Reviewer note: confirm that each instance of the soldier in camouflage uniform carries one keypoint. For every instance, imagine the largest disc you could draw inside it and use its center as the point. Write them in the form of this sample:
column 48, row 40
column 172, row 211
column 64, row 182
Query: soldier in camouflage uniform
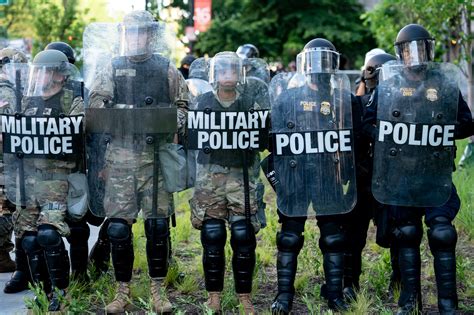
column 40, row 222
column 137, row 79
column 219, row 195
column 19, row 281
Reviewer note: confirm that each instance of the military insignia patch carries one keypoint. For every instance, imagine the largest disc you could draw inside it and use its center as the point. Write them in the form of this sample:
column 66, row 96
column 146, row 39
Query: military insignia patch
column 31, row 111
column 125, row 72
column 407, row 91
column 325, row 108
column 432, row 95
column 307, row 106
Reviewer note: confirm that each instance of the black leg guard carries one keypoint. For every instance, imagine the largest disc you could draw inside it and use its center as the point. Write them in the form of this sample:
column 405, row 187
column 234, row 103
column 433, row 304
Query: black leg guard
column 332, row 242
column 289, row 245
column 442, row 238
column 408, row 239
column 20, row 278
column 36, row 261
column 243, row 244
column 395, row 277
column 79, row 249
column 100, row 253
column 157, row 246
column 213, row 238
column 120, row 235
column 57, row 259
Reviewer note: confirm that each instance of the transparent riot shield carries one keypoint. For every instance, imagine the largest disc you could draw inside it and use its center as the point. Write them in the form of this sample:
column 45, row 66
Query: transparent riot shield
column 414, row 147
column 227, row 127
column 312, row 141
column 134, row 162
column 43, row 141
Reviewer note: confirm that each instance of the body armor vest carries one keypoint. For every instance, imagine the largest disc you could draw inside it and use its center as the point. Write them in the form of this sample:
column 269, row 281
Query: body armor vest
column 141, row 84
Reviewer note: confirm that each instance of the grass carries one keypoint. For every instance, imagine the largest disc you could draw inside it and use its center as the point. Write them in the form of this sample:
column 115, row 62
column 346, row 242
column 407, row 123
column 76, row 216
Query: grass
column 185, row 281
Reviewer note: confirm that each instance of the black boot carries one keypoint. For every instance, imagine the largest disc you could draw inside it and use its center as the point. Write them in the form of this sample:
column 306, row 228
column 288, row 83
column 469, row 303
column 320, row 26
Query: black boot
column 395, row 277
column 100, row 253
column 289, row 245
column 333, row 264
column 410, row 268
column 20, row 278
column 352, row 269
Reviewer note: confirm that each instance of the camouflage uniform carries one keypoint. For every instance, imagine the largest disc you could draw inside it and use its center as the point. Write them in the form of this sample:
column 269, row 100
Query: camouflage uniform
column 136, row 78
column 220, row 195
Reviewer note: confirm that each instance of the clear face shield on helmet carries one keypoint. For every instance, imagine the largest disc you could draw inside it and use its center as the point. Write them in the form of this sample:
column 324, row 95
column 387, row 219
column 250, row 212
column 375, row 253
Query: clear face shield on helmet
column 137, row 39
column 416, row 52
column 13, row 71
column 47, row 80
column 226, row 71
column 317, row 60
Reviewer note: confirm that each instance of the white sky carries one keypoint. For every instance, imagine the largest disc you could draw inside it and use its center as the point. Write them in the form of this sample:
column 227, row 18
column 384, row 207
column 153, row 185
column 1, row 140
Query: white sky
column 119, row 7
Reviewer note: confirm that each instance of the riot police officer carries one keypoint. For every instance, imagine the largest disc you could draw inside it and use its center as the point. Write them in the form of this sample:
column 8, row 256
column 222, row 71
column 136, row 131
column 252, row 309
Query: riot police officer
column 398, row 180
column 8, row 101
column 135, row 97
column 225, row 183
column 248, row 51
column 43, row 168
column 309, row 175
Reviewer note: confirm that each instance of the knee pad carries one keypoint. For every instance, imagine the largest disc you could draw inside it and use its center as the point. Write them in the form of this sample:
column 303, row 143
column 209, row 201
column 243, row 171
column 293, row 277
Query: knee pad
column 213, row 234
column 80, row 233
column 48, row 236
column 287, row 241
column 29, row 243
column 332, row 237
column 242, row 236
column 408, row 235
column 442, row 234
column 157, row 228
column 119, row 231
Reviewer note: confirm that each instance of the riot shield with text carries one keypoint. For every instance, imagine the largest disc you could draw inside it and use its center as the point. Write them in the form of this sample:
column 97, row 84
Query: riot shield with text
column 227, row 127
column 414, row 146
column 134, row 162
column 312, row 137
column 43, row 142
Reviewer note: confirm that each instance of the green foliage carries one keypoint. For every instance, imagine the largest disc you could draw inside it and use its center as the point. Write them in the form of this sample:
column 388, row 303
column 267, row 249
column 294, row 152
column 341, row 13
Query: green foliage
column 280, row 29
column 443, row 19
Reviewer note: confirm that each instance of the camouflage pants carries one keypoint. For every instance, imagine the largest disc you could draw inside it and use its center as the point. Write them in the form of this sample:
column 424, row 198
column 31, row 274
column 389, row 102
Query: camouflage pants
column 129, row 186
column 219, row 194
column 6, row 224
column 50, row 198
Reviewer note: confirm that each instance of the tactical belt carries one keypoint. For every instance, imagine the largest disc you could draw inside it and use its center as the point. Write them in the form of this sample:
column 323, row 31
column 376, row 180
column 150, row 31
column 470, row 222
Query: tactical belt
column 56, row 174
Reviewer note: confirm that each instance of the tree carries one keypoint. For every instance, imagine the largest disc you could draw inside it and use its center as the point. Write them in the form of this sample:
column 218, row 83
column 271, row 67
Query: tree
column 449, row 22
column 280, row 29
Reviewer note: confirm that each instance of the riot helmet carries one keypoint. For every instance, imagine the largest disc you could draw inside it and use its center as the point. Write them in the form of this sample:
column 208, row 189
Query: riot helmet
column 13, row 55
column 318, row 56
column 49, row 72
column 199, row 69
column 414, row 45
column 372, row 69
column 248, row 51
column 226, row 71
column 137, row 33
column 64, row 48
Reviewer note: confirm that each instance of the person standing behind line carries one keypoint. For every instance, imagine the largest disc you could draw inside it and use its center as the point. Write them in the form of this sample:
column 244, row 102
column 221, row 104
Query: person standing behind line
column 43, row 179
column 225, row 183
column 415, row 180
column 361, row 89
column 137, row 170
column 20, row 278
column 313, row 175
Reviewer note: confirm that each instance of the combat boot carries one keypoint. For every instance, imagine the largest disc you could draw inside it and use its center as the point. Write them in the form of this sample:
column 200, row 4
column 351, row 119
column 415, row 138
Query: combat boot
column 246, row 301
column 161, row 304
column 55, row 301
column 121, row 300
column 6, row 263
column 20, row 278
column 214, row 302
